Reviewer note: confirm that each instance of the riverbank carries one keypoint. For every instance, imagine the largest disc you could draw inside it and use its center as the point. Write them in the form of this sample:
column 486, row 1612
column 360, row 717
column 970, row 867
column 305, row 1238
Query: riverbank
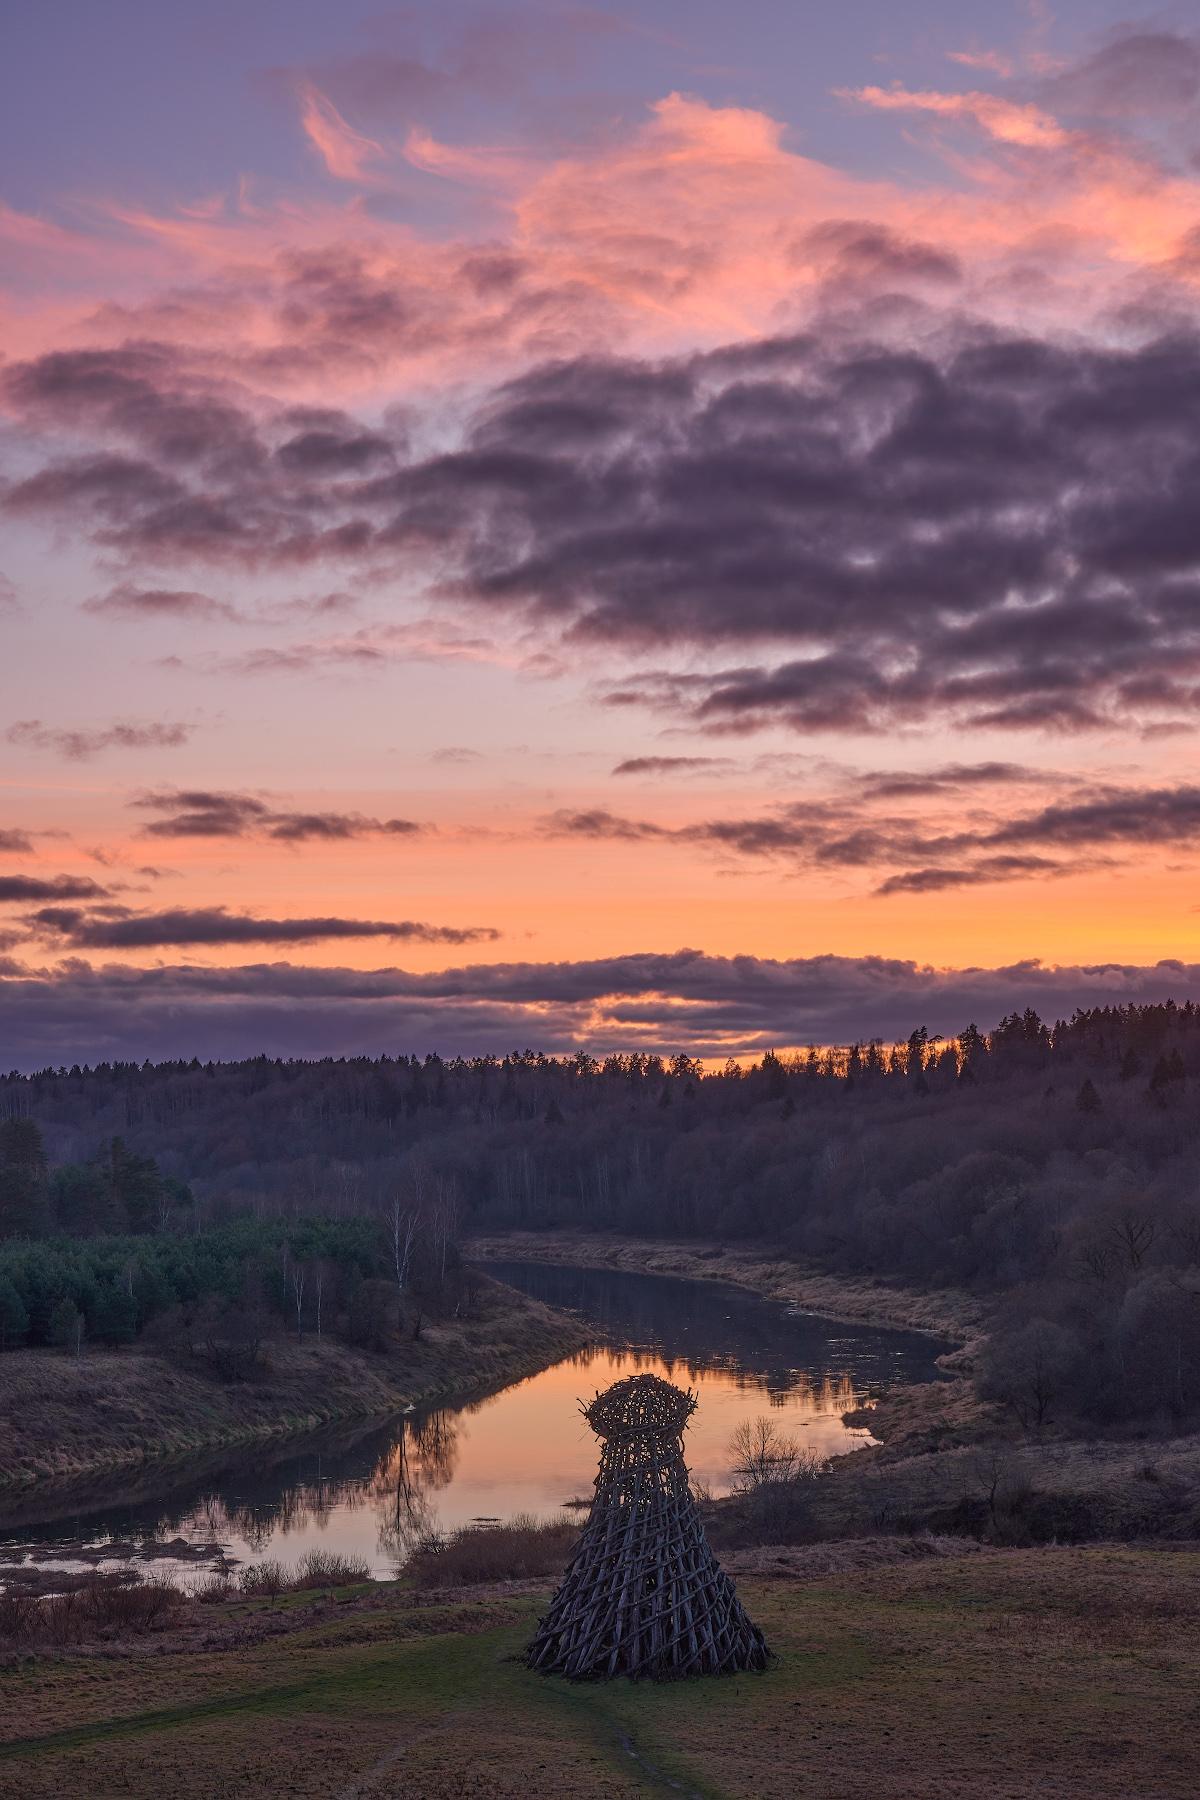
column 944, row 1460
column 852, row 1299
column 62, row 1418
column 919, row 1672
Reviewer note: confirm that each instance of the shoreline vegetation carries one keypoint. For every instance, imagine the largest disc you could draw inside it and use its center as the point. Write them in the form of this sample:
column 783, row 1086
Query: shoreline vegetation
column 946, row 1459
column 67, row 1417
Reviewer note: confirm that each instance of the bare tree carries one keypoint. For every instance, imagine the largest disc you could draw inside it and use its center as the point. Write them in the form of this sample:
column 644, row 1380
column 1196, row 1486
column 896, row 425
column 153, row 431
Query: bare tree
column 1134, row 1234
column 763, row 1453
column 403, row 1222
column 297, row 1285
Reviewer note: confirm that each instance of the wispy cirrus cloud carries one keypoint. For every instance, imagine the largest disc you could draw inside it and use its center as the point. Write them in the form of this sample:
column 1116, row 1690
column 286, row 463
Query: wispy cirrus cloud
column 1008, row 121
column 346, row 153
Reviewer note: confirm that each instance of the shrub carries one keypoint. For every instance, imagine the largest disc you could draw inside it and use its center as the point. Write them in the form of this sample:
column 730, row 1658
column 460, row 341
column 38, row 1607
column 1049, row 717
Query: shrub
column 328, row 1569
column 265, row 1580
column 214, row 1590
column 106, row 1606
column 522, row 1549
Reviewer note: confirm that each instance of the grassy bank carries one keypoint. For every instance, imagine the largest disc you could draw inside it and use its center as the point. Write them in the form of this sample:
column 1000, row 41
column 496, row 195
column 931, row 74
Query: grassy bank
column 912, row 1674
column 109, row 1410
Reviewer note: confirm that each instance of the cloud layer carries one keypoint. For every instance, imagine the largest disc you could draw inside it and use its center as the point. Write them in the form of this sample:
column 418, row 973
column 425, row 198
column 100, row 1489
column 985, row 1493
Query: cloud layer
column 996, row 530
column 709, row 1005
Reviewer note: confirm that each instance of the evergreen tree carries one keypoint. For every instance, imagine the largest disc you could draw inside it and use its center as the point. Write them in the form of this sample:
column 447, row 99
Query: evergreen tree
column 23, row 1192
column 66, row 1326
column 14, row 1319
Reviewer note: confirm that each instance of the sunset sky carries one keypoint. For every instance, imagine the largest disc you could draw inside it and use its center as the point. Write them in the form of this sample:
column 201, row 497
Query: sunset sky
column 656, row 526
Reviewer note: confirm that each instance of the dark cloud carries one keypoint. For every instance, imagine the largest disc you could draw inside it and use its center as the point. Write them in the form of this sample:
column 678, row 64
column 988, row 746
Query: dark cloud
column 853, row 251
column 1155, row 72
column 949, row 778
column 16, row 843
column 205, row 813
column 128, row 601
column 1115, row 816
column 996, row 531
column 117, row 928
column 332, row 443
column 669, row 765
column 991, row 868
column 80, row 743
column 52, row 887
column 684, row 999
column 852, row 833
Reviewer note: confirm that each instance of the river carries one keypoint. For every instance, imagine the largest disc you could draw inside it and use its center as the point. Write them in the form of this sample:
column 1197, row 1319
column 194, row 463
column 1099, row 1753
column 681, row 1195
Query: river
column 372, row 1490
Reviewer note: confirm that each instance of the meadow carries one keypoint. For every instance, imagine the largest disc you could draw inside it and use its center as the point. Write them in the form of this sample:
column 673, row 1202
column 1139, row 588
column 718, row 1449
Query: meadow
column 924, row 1668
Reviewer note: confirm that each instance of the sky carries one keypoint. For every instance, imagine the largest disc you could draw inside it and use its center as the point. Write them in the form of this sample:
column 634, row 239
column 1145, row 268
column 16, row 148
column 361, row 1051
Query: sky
column 640, row 527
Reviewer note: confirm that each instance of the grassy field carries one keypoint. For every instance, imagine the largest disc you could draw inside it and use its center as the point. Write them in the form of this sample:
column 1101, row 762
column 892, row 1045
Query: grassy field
column 1006, row 1674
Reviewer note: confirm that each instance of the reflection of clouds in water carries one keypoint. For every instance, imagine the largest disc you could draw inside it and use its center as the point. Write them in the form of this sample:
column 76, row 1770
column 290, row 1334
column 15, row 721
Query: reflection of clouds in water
column 375, row 1489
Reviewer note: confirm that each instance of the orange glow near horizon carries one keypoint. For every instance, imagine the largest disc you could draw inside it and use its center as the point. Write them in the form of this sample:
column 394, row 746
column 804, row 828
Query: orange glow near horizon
column 273, row 439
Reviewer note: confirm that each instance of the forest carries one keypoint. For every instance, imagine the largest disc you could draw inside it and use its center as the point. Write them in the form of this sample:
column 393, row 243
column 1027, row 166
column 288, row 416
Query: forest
column 1052, row 1168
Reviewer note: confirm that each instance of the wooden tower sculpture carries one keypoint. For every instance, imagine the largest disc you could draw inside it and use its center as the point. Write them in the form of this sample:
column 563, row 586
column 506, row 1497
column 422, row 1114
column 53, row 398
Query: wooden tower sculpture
column 643, row 1595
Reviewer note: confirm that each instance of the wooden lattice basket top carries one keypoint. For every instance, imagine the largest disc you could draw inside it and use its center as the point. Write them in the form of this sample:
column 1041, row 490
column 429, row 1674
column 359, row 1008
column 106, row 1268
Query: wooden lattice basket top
column 640, row 1406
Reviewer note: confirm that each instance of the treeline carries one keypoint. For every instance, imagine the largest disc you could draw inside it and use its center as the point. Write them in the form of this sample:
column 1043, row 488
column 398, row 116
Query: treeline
column 222, row 1293
column 1056, row 1164
column 114, row 1191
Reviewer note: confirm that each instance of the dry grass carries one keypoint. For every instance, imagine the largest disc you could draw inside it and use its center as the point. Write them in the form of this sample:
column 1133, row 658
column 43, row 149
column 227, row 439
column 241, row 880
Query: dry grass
column 124, row 1604
column 1019, row 1675
column 520, row 1550
column 320, row 1569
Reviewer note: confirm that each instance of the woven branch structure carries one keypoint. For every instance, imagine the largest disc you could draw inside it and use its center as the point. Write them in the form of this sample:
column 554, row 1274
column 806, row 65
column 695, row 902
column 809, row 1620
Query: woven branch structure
column 643, row 1595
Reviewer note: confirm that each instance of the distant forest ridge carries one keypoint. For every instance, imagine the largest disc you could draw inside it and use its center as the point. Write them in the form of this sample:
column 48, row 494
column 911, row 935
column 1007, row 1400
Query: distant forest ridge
column 1134, row 1026
column 1054, row 1166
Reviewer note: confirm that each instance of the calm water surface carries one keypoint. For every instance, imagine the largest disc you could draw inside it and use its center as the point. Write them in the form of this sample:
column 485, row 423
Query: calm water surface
column 372, row 1490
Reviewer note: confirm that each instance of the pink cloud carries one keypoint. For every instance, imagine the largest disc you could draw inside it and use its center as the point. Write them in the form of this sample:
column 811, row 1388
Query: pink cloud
column 344, row 151
column 699, row 224
column 991, row 60
column 477, row 166
column 1005, row 120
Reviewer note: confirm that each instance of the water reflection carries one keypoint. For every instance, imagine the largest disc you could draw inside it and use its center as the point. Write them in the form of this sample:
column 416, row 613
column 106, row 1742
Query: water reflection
column 374, row 1491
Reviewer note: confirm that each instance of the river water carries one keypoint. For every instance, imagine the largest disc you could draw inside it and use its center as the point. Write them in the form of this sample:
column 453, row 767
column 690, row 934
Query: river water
column 372, row 1490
